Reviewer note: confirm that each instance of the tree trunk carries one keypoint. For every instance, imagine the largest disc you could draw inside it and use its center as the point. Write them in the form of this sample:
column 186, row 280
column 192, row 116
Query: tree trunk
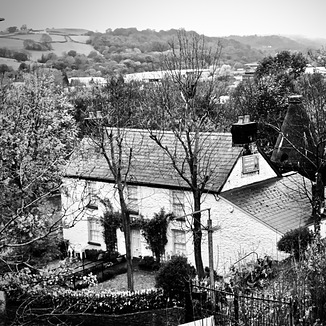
column 126, row 231
column 197, row 234
column 318, row 200
column 2, row 308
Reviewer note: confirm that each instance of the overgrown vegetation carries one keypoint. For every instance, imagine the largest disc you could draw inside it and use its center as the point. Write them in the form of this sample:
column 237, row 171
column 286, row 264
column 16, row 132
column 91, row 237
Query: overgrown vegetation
column 174, row 276
column 296, row 242
column 154, row 231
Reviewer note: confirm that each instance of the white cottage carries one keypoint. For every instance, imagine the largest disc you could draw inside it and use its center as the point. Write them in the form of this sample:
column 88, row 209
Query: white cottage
column 251, row 205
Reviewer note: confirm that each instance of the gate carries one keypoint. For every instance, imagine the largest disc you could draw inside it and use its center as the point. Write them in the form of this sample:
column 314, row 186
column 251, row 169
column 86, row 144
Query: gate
column 238, row 309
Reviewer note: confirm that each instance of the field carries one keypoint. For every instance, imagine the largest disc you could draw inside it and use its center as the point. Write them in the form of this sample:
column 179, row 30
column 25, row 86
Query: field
column 11, row 44
column 34, row 37
column 68, row 31
column 78, row 38
column 59, row 48
column 10, row 63
column 16, row 42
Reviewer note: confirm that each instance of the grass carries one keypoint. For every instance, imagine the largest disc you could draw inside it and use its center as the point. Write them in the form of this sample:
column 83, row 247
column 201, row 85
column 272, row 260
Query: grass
column 16, row 43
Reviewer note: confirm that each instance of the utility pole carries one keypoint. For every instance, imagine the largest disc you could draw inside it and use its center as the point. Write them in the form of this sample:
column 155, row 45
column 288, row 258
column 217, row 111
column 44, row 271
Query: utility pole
column 210, row 231
column 211, row 257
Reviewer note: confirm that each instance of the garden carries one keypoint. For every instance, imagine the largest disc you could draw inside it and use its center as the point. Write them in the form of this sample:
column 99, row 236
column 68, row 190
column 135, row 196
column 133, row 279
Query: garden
column 264, row 291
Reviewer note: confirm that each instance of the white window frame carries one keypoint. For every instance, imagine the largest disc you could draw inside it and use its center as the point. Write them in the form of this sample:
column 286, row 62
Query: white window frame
column 178, row 202
column 250, row 164
column 179, row 242
column 132, row 198
column 91, row 193
column 94, row 230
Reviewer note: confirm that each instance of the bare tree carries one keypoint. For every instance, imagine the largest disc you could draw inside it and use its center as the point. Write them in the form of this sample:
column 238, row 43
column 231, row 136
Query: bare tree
column 185, row 103
column 112, row 109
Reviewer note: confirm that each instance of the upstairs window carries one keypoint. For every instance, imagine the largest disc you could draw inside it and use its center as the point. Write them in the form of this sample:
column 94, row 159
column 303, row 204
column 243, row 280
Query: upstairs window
column 91, row 195
column 250, row 164
column 132, row 199
column 178, row 203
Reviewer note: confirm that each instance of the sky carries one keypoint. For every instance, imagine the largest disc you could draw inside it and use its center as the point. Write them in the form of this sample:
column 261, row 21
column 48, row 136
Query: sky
column 208, row 17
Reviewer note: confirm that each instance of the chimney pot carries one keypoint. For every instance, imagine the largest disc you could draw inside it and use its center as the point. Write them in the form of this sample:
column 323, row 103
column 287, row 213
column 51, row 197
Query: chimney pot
column 240, row 119
column 295, row 99
column 246, row 118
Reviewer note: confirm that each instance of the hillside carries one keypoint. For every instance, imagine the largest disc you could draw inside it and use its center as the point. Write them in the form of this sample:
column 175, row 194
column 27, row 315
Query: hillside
column 127, row 50
column 61, row 41
column 275, row 43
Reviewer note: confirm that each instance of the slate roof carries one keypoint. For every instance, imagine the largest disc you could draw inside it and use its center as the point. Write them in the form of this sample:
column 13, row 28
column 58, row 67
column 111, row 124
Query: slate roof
column 150, row 165
column 281, row 203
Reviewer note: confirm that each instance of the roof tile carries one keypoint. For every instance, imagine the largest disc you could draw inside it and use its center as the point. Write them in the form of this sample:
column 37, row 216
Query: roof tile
column 282, row 203
column 151, row 165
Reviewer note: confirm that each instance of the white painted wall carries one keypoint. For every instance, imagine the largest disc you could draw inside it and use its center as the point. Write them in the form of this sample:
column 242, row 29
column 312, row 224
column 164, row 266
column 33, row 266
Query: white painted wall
column 238, row 234
column 238, row 179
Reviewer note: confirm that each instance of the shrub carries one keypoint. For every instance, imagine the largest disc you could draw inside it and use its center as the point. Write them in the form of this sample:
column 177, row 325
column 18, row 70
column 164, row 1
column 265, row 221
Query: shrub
column 92, row 254
column 174, row 276
column 254, row 275
column 148, row 263
column 111, row 220
column 295, row 242
column 30, row 291
column 106, row 275
column 154, row 231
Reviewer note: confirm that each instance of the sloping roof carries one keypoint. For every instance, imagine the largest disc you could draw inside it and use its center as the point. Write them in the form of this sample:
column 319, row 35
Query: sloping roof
column 151, row 165
column 295, row 146
column 281, row 203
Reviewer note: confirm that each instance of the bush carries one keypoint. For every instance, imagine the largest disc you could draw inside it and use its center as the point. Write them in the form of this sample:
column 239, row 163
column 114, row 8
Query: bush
column 106, row 275
column 148, row 263
column 154, row 231
column 295, row 242
column 92, row 254
column 255, row 275
column 174, row 276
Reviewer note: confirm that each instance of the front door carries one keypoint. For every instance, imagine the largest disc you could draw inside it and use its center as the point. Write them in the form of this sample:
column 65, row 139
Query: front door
column 135, row 243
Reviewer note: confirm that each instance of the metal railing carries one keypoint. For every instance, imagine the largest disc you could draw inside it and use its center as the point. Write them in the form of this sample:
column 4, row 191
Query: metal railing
column 239, row 309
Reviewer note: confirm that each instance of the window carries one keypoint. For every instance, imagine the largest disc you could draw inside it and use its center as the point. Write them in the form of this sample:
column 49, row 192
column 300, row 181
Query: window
column 91, row 193
column 250, row 164
column 132, row 199
column 94, row 230
column 179, row 242
column 178, row 203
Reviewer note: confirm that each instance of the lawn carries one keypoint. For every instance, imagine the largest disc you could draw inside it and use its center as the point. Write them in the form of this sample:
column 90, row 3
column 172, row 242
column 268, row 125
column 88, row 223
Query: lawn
column 142, row 280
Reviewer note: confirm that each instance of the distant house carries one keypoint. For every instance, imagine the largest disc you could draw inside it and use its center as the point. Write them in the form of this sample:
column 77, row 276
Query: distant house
column 251, row 205
column 315, row 70
column 86, row 81
column 156, row 76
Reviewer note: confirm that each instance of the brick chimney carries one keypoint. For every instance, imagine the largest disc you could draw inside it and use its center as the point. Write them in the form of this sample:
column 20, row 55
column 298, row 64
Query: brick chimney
column 244, row 131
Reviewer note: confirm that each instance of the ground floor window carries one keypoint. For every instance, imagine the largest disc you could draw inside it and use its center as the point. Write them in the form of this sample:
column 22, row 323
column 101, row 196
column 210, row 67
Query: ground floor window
column 94, row 230
column 179, row 242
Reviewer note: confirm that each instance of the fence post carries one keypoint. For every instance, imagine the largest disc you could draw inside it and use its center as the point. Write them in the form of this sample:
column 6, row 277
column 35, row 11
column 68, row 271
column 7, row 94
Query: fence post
column 236, row 307
column 189, row 316
column 2, row 308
